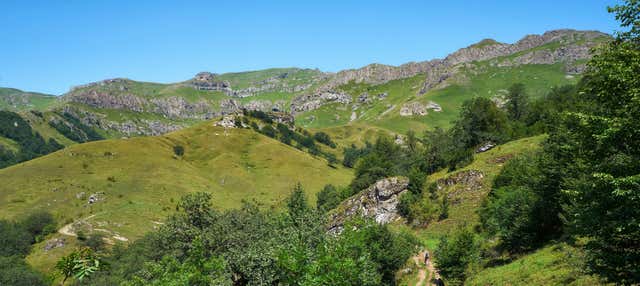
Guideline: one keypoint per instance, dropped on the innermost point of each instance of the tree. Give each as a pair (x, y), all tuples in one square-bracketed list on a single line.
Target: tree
[(603, 139), (95, 242), (324, 138), (328, 198), (454, 255), (480, 121), (628, 15), (297, 203), (14, 240), (517, 102), (382, 161), (269, 131), (178, 150), (38, 224), (15, 272), (79, 264)]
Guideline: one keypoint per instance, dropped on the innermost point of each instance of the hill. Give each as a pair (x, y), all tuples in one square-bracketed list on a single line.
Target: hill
[(416, 95), (127, 186), (18, 100)]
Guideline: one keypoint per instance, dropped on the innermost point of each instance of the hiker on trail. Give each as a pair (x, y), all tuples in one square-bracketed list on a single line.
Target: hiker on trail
[(439, 282), (426, 257)]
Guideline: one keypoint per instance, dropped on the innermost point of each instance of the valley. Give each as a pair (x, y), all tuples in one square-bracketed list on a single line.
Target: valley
[(487, 159)]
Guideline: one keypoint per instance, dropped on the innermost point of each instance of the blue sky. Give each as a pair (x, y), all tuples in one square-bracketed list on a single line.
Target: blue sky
[(49, 46)]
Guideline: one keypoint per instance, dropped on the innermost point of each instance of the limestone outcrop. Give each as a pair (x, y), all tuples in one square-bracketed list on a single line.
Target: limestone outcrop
[(379, 202)]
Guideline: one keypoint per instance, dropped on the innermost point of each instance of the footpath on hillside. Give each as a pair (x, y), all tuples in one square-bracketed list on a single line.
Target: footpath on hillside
[(426, 273)]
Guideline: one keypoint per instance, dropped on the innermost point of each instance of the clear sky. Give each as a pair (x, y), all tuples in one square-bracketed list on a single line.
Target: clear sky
[(49, 46)]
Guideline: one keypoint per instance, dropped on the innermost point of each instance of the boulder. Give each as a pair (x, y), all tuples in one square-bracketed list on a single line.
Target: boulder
[(379, 202), (413, 108), (54, 243)]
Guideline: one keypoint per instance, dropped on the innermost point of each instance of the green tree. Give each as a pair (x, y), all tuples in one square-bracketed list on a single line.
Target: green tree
[(517, 102), (605, 143), (328, 198), (455, 254), (14, 240), (15, 272), (297, 205), (80, 264), (178, 150), (480, 120)]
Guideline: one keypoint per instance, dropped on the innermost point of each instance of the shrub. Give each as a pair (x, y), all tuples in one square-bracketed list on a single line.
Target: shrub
[(325, 139), (178, 150), (95, 241), (38, 224), (455, 254), (328, 198)]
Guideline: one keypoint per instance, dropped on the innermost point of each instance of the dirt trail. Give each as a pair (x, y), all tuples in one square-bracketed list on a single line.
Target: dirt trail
[(67, 229), (426, 273), (422, 272)]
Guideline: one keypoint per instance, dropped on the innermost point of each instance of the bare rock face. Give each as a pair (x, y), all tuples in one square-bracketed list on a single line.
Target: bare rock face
[(314, 101), (460, 183), (54, 243), (227, 122), (419, 109), (111, 100), (570, 51), (209, 81), (573, 46), (413, 108), (379, 201), (178, 107)]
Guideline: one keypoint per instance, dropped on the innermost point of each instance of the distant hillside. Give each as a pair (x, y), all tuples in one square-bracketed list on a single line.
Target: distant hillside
[(417, 95), (428, 94), (126, 186), (27, 135), (18, 100)]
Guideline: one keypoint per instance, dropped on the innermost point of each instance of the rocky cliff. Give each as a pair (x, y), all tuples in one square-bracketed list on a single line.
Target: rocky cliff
[(208, 95), (379, 202), (558, 46)]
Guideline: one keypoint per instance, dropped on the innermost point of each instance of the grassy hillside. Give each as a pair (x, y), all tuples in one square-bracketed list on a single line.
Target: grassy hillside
[(555, 264), (18, 100), (481, 80), (139, 180), (465, 201), (552, 265)]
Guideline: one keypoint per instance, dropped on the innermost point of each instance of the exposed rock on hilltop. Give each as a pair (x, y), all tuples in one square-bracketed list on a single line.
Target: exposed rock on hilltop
[(208, 81), (417, 108), (314, 101), (208, 95), (558, 46), (378, 73), (572, 46), (379, 201)]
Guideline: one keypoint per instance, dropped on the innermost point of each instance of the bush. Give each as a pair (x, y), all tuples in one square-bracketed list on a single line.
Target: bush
[(269, 131), (404, 205), (328, 198), (38, 224), (15, 272), (324, 138), (95, 241), (455, 254), (80, 235), (14, 240), (178, 150)]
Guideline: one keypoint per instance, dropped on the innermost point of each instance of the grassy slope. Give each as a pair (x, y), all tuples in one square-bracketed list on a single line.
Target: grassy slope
[(556, 264), (551, 265), (485, 81), (34, 100), (465, 212), (148, 180)]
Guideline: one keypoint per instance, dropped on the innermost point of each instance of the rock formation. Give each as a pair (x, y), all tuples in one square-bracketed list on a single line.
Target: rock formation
[(379, 201)]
